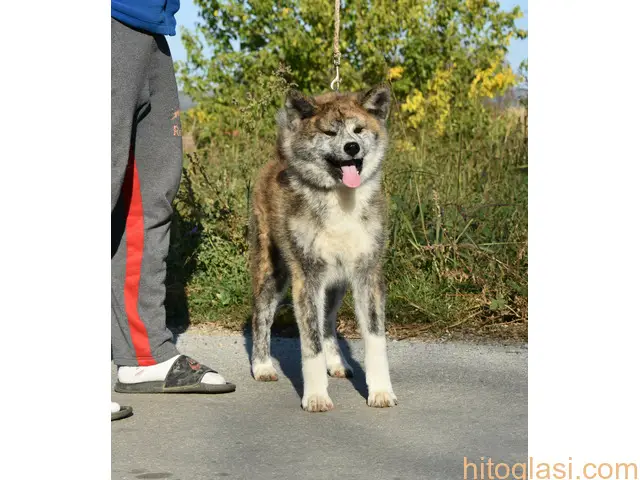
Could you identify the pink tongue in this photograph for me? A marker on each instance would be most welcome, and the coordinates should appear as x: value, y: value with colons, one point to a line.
x: 350, y: 176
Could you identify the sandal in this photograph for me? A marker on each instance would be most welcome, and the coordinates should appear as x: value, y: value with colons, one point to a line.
x: 123, y: 412
x: 184, y: 377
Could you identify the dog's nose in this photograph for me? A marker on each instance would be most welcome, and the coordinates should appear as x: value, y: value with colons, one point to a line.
x: 352, y: 148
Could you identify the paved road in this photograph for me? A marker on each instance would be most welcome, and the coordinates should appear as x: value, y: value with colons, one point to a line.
x: 455, y: 400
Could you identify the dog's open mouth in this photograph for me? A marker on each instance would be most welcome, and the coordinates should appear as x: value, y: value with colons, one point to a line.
x: 349, y: 169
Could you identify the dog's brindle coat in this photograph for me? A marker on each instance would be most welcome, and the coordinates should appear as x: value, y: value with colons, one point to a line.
x: 310, y: 230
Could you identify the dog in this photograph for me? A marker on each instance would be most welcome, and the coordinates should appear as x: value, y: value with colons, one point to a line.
x: 318, y: 224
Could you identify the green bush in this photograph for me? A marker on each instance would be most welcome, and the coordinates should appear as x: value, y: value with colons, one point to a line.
x: 458, y: 223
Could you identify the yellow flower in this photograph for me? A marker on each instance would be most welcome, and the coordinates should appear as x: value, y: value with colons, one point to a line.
x: 415, y: 106
x: 395, y: 73
x: 440, y: 96
x: 492, y: 81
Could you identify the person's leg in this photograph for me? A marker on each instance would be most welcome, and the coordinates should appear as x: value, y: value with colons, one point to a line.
x: 156, y: 166
x: 142, y: 344
x: 130, y: 60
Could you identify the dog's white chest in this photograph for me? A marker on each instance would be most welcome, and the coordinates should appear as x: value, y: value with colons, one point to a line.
x: 340, y: 239
x: 344, y: 240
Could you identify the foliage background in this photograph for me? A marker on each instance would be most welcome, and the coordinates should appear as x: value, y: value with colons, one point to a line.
x: 456, y: 173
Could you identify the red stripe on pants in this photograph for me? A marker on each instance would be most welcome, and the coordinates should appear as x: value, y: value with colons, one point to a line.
x: 135, y: 247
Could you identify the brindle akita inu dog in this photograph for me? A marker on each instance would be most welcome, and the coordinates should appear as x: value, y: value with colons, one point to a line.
x: 318, y: 222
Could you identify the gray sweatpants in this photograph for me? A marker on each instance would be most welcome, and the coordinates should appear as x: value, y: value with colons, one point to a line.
x: 146, y: 163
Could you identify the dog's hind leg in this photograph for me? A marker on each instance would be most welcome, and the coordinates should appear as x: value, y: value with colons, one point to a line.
x: 369, y: 297
x: 270, y: 285
x: 308, y: 303
x: 337, y: 366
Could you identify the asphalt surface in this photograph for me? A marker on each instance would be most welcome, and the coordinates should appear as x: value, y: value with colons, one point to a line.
x: 455, y: 401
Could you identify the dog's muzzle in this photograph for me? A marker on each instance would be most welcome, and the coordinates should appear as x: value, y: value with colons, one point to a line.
x: 337, y: 163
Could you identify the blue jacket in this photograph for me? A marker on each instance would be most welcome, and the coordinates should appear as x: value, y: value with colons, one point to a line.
x: 154, y: 16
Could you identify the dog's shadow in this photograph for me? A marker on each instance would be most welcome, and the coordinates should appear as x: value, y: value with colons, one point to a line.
x: 285, y: 348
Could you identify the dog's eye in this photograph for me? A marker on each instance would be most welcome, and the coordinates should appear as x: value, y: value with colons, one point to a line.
x: 330, y: 133
x: 357, y: 130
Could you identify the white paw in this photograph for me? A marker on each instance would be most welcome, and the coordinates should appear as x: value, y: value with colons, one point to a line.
x: 340, y: 370
x: 264, y: 372
x: 317, y: 402
x: 382, y: 399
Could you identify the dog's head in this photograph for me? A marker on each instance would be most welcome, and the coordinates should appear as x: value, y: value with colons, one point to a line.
x: 334, y: 139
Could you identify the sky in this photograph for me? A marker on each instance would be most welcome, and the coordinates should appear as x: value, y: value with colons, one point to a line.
x: 188, y: 15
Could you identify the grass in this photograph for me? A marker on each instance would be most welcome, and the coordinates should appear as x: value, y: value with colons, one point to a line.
x: 456, y: 265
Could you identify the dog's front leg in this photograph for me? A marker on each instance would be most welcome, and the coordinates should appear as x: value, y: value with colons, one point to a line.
x: 369, y: 297
x: 308, y: 304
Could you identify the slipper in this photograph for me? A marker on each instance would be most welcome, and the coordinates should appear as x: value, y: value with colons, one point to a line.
x: 124, y: 412
x: 183, y: 377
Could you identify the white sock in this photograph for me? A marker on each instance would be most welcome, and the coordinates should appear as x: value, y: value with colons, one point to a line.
x: 158, y: 372
x: 115, y: 407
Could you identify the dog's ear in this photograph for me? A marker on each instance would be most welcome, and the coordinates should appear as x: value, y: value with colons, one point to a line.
x: 377, y: 101
x: 297, y: 107
x: 300, y: 105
